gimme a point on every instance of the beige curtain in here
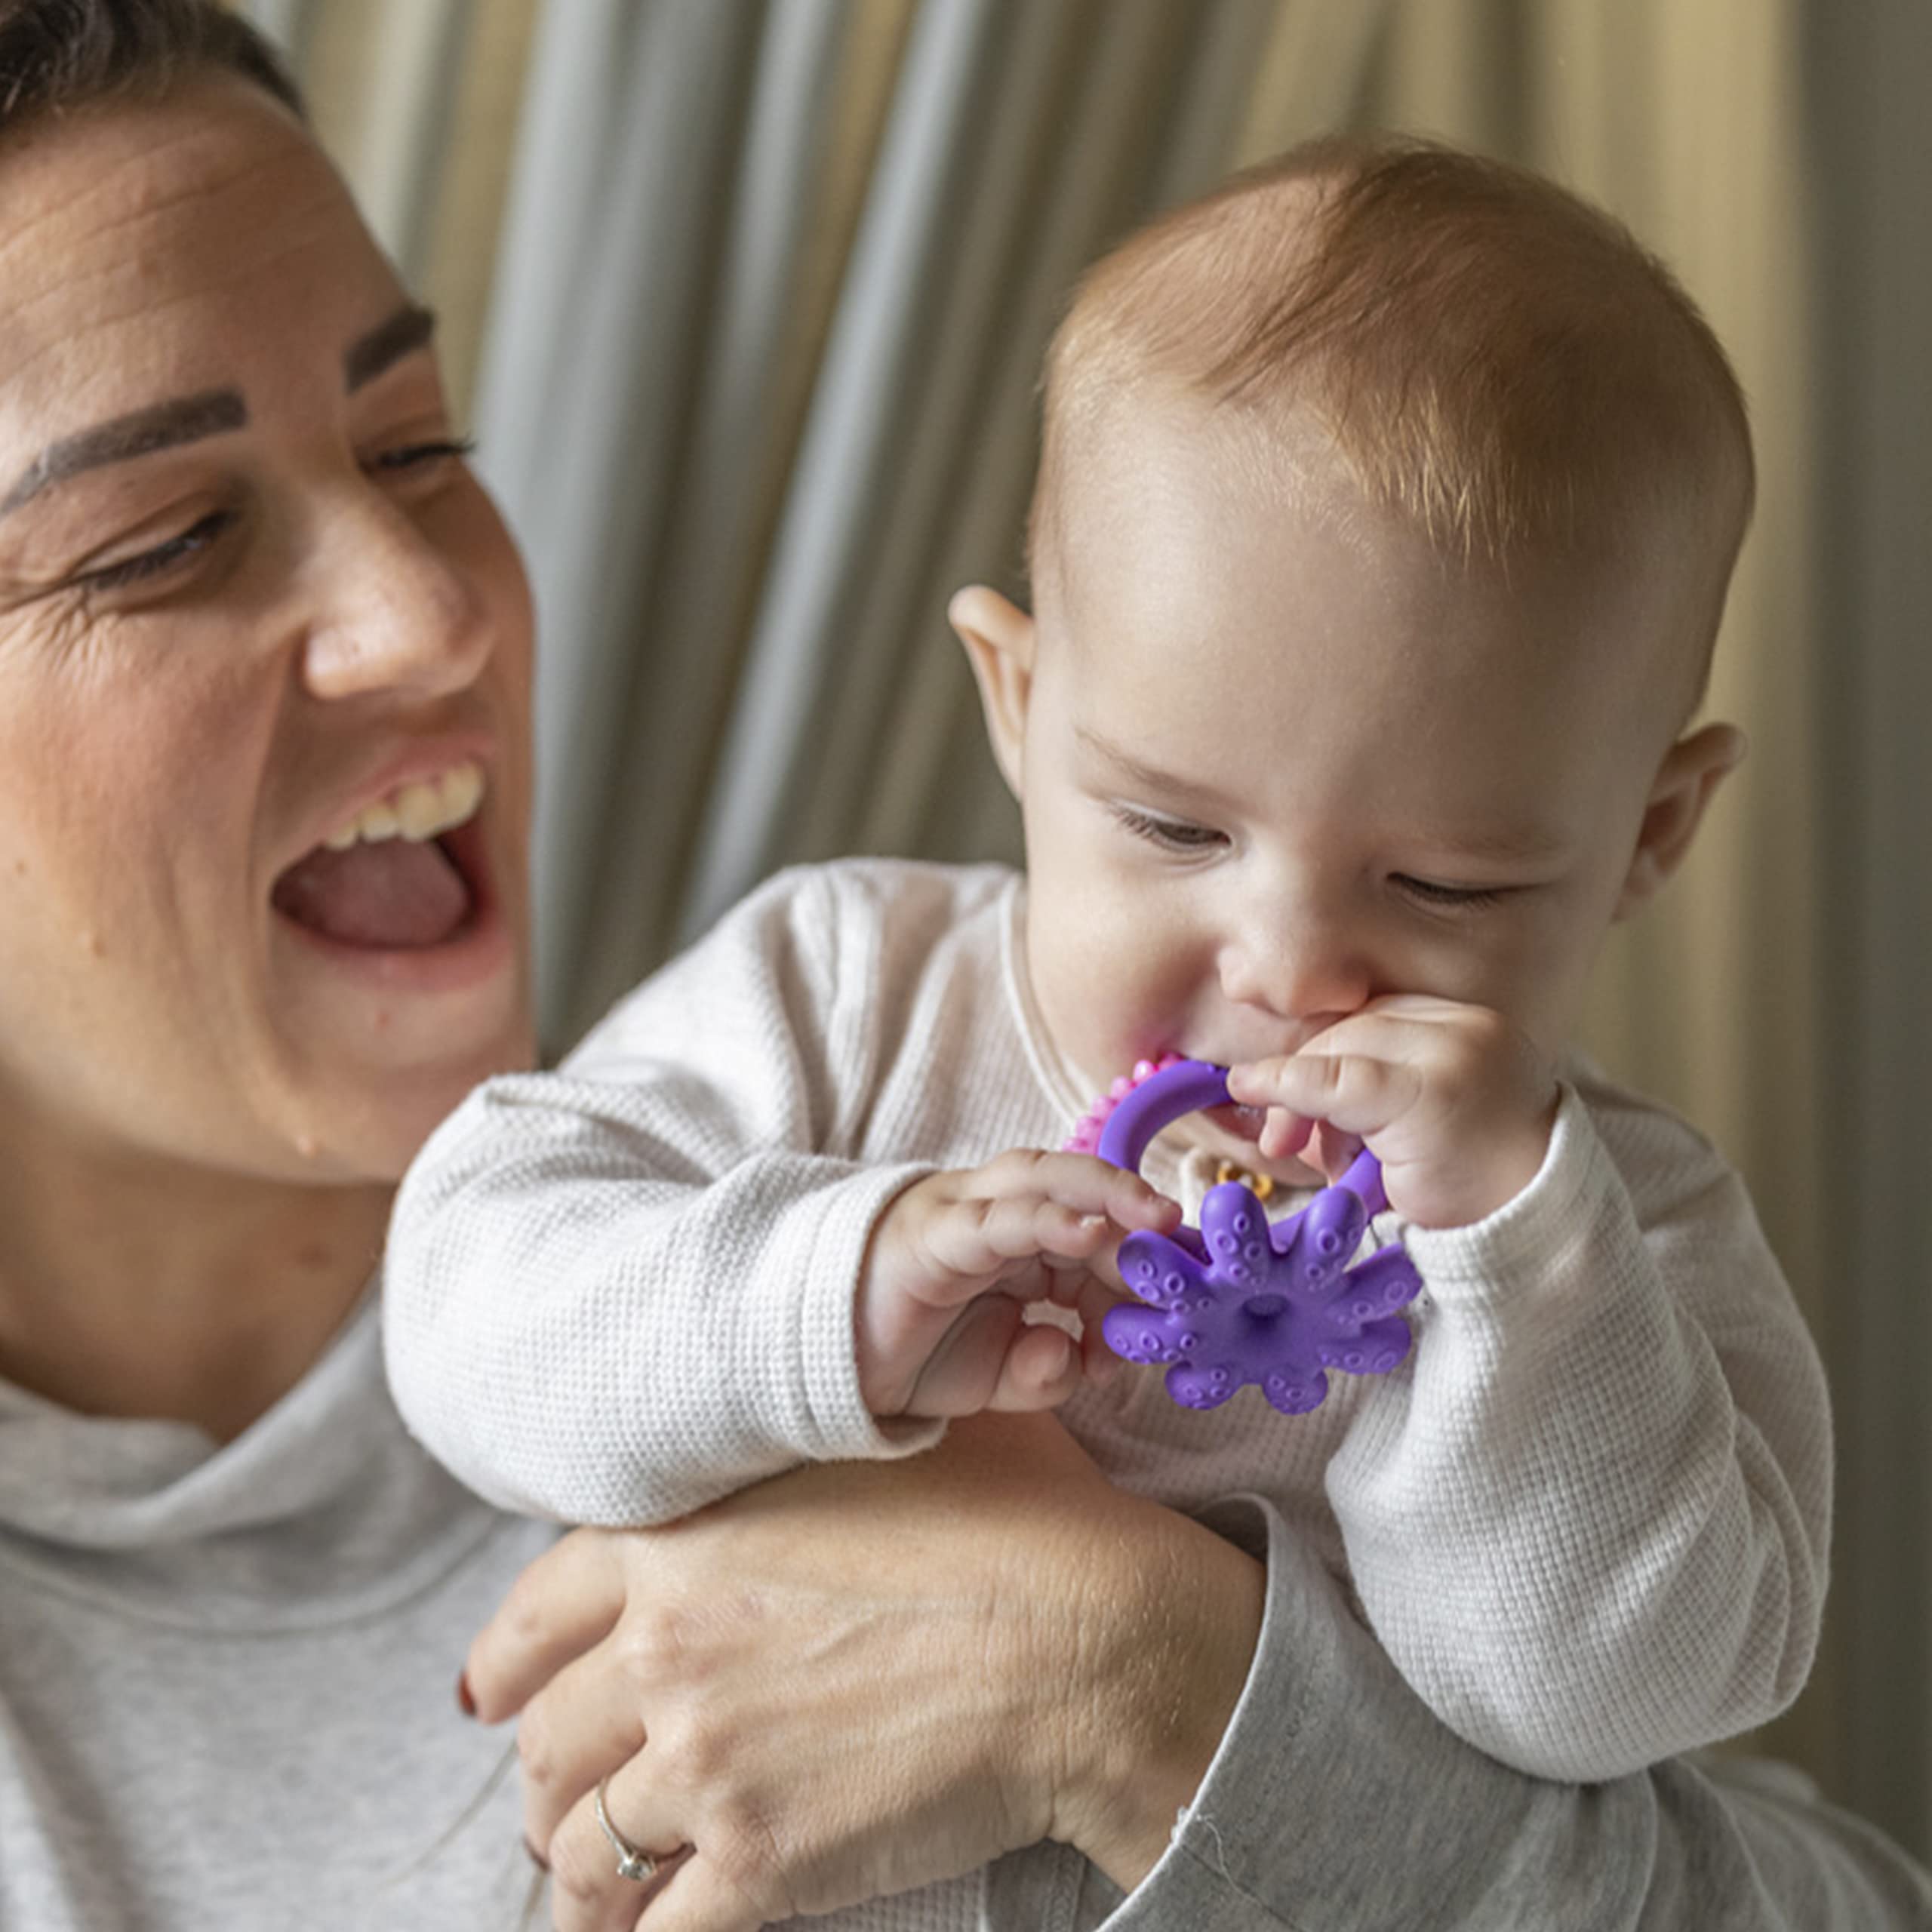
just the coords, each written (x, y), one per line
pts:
(1868, 72)
(748, 297)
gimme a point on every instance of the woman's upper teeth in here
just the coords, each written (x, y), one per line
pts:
(417, 810)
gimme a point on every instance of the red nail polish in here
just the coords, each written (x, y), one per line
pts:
(465, 1698)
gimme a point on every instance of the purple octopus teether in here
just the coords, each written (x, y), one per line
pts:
(1239, 1300)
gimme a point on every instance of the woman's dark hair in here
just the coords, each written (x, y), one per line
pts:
(57, 55)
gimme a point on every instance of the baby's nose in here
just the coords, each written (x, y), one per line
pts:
(1296, 970)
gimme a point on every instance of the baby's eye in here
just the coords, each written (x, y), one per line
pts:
(1172, 835)
(1427, 892)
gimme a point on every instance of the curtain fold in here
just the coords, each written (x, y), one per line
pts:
(857, 443)
(611, 248)
(1865, 69)
(747, 391)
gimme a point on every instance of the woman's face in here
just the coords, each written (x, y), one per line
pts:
(248, 592)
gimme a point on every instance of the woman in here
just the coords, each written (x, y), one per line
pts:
(264, 654)
(250, 590)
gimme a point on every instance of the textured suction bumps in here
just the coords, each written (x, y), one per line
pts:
(1241, 1302)
(1239, 1299)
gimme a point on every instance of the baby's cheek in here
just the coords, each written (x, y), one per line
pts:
(1115, 986)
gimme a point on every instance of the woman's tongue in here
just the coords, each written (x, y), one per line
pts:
(396, 893)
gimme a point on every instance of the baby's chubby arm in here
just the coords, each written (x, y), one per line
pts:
(1591, 1527)
(953, 1261)
(618, 1291)
(615, 1292)
(677, 1264)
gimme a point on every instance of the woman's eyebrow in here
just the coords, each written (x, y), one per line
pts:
(187, 419)
(400, 334)
(159, 426)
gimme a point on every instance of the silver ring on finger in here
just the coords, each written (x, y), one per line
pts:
(634, 1863)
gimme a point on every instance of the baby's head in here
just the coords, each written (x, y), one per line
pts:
(1387, 502)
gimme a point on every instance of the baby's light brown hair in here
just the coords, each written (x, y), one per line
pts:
(1492, 358)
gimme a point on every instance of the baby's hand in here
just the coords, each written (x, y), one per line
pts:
(953, 1261)
(1455, 1102)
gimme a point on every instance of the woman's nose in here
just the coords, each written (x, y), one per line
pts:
(395, 612)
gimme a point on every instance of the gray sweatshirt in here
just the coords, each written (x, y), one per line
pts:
(227, 1676)
(225, 1704)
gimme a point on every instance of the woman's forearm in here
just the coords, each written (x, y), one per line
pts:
(1169, 1647)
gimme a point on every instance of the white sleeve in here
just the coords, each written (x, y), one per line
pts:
(1336, 1800)
(1591, 1530)
(618, 1292)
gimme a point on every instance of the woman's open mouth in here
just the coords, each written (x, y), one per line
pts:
(407, 874)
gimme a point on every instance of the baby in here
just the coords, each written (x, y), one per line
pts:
(1387, 503)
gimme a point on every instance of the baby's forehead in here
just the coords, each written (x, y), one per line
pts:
(1154, 434)
(1187, 542)
(1483, 357)
(1157, 484)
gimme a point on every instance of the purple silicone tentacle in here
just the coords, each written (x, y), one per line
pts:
(1379, 1346)
(1316, 1245)
(1294, 1389)
(1159, 1270)
(1235, 1231)
(1195, 1385)
(1363, 1179)
(1239, 1300)
(1185, 1087)
(1379, 1285)
(1135, 1334)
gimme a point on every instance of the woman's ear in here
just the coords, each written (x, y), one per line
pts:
(1687, 780)
(998, 637)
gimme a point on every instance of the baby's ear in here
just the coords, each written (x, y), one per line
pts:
(998, 637)
(1687, 780)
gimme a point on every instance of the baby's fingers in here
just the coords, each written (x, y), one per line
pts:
(1081, 1182)
(1075, 1209)
(1359, 1095)
(991, 1357)
(1042, 1369)
(977, 1242)
(1098, 1363)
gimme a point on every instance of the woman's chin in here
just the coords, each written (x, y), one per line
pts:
(389, 1040)
(366, 1124)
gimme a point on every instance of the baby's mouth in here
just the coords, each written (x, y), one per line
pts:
(401, 875)
(1238, 1129)
(1243, 1123)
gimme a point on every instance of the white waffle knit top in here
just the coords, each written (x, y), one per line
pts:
(1587, 1518)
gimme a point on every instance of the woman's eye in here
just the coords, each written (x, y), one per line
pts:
(1456, 897)
(1173, 834)
(411, 456)
(192, 541)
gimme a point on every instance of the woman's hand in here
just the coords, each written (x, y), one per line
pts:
(862, 1678)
